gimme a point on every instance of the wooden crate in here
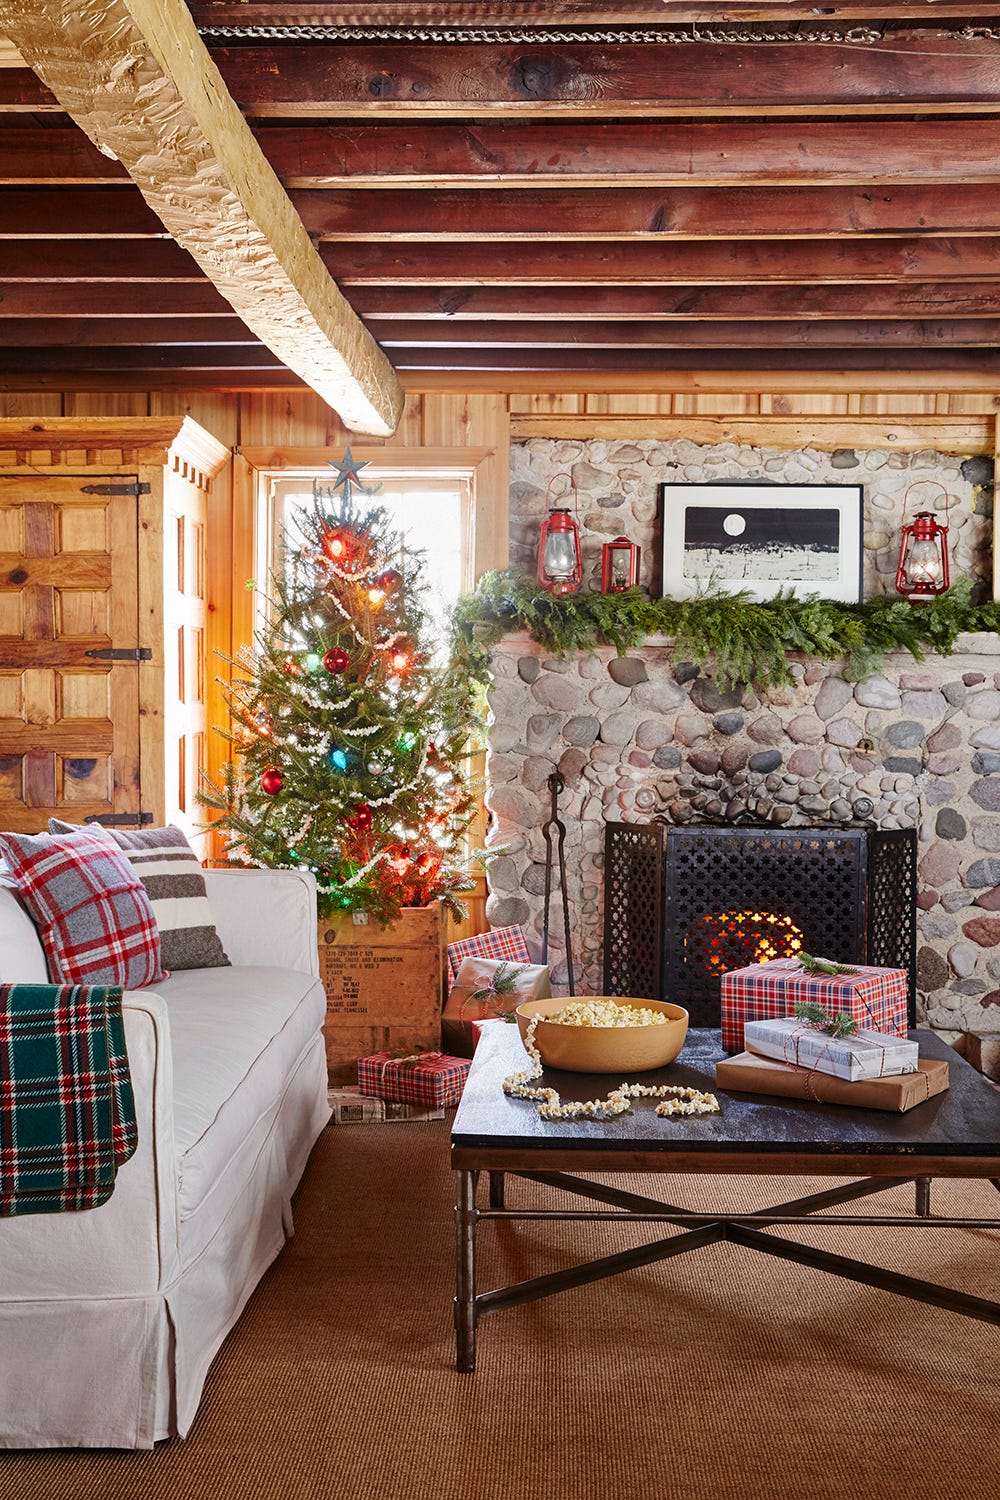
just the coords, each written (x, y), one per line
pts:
(385, 986)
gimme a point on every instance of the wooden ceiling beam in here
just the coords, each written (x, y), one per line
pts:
(449, 305)
(926, 70)
(584, 153)
(104, 213)
(737, 334)
(83, 261)
(579, 154)
(685, 262)
(135, 75)
(985, 362)
(86, 330)
(624, 213)
(499, 13)
(169, 299)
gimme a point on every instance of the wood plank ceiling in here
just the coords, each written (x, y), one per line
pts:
(550, 186)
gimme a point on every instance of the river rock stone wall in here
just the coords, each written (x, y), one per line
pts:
(644, 736)
(617, 487)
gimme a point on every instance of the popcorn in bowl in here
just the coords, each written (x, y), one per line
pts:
(604, 1033)
(606, 1013)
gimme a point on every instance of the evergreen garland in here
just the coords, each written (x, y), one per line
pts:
(744, 640)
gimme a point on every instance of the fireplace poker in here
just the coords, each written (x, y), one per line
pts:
(556, 785)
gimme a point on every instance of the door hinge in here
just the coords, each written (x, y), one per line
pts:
(114, 489)
(121, 653)
(120, 820)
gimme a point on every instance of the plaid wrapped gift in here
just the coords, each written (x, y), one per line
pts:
(431, 1078)
(502, 942)
(67, 1115)
(874, 998)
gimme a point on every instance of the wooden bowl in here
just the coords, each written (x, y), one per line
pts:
(605, 1049)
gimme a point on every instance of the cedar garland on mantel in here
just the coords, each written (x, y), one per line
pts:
(743, 640)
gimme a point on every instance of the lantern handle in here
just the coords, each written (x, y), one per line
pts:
(572, 491)
(949, 500)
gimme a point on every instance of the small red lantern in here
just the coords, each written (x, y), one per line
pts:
(619, 565)
(560, 564)
(923, 558)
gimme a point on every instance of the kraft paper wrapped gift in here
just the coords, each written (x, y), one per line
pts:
(862, 1054)
(749, 1074)
(874, 998)
(476, 978)
(429, 1078)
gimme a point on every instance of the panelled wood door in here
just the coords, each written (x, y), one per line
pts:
(69, 721)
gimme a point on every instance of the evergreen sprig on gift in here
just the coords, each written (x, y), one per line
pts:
(499, 987)
(823, 965)
(839, 1025)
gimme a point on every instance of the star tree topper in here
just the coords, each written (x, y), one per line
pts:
(348, 476)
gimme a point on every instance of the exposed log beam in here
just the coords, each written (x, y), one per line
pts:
(927, 71)
(835, 334)
(623, 213)
(135, 75)
(517, 263)
(584, 153)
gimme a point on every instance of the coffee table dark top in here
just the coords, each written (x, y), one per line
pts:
(964, 1122)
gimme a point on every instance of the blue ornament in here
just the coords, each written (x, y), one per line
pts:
(338, 760)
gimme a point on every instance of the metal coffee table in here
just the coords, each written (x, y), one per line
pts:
(956, 1134)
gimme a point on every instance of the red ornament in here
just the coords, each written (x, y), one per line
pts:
(336, 659)
(362, 818)
(272, 781)
(389, 581)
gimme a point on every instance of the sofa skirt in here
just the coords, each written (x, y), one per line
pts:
(126, 1372)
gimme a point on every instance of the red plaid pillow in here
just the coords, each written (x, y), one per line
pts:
(502, 942)
(91, 909)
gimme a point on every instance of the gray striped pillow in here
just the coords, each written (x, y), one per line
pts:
(169, 869)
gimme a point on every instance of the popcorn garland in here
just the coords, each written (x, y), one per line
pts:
(677, 1100)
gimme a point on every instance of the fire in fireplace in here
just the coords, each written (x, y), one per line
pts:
(684, 905)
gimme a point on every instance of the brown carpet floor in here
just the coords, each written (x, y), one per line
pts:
(722, 1373)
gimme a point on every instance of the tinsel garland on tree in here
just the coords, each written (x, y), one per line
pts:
(744, 641)
(352, 744)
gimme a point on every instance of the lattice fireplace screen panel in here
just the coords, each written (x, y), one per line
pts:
(683, 905)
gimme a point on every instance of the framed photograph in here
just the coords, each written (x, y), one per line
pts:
(761, 538)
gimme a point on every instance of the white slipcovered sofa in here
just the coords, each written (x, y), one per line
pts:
(110, 1318)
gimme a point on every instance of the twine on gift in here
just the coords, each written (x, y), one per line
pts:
(812, 1024)
(407, 1059)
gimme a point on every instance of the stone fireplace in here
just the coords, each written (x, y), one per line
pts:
(916, 746)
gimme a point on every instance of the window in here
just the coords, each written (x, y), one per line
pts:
(432, 513)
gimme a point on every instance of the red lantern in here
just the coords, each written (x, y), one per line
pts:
(923, 558)
(560, 565)
(619, 565)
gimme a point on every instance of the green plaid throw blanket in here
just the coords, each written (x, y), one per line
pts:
(67, 1116)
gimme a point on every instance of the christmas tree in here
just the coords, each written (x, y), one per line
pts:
(351, 741)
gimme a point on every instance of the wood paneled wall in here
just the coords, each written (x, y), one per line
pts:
(485, 411)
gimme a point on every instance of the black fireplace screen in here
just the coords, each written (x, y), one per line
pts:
(683, 905)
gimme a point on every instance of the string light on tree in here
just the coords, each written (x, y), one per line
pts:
(361, 802)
